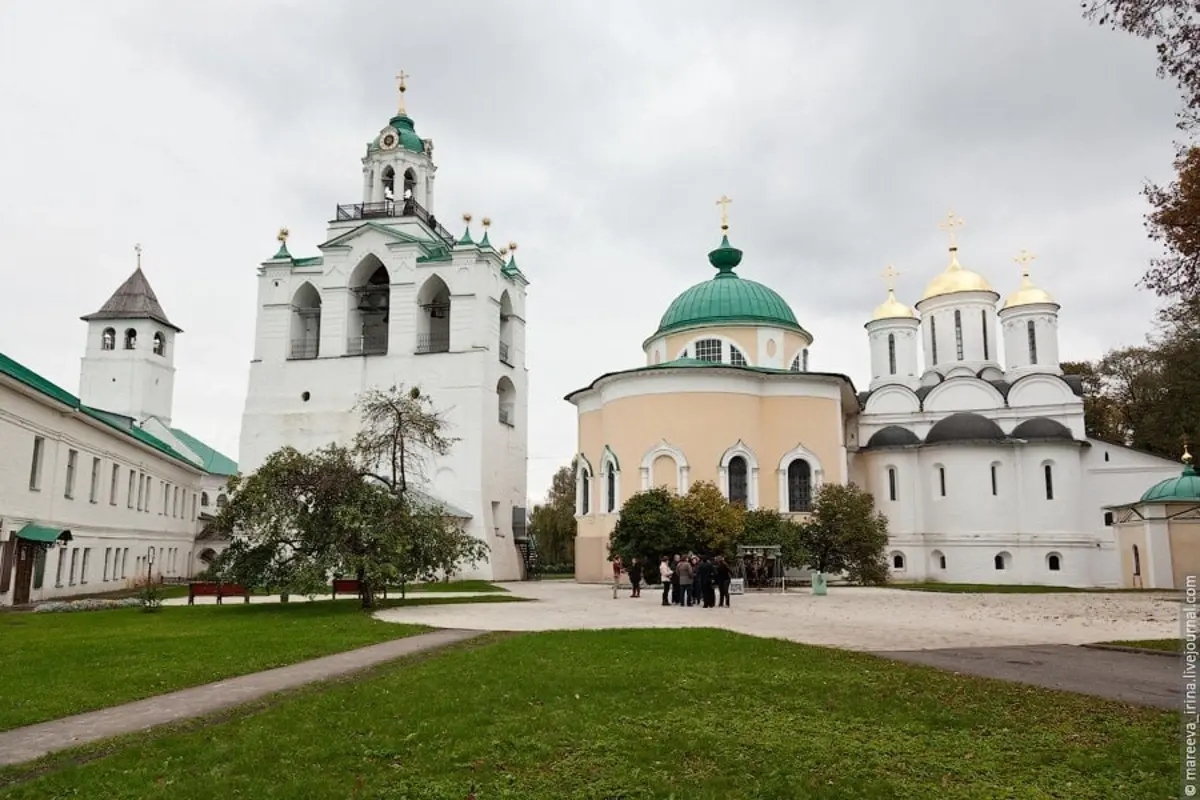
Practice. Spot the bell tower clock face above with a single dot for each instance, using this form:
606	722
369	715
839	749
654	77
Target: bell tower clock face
389	137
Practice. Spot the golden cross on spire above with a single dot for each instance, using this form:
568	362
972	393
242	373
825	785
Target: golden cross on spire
400	77
889	275
950	224
137	248
1023	258
724	204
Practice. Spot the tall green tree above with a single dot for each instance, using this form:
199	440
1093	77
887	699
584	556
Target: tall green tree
552	524
649	527
846	534
304	517
709	524
766	526
1100	418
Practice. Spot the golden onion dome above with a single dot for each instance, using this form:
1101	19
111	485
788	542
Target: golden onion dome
892	309
1027	294
956	278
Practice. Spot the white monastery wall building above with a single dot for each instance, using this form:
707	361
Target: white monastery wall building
100	490
394	298
969	436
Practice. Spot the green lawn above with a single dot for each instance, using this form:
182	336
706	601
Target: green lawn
999	588
55	665
642	714
455	586
1168	645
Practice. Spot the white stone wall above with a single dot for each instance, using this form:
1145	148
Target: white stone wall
136	383
100	526
905	334
1015	324
309	403
973	308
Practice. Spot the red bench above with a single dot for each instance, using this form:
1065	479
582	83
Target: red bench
348	586
217	590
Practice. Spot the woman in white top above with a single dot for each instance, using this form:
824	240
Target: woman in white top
664	572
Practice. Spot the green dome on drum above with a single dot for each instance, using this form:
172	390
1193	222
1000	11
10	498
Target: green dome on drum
409	140
727	299
1184	489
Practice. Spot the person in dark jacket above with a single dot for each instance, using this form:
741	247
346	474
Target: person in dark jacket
724	577
635	576
707	578
686	581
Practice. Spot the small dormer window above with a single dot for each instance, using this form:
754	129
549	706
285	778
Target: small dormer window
160	344
108	339
130	339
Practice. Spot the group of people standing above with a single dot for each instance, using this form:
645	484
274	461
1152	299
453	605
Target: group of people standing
691	581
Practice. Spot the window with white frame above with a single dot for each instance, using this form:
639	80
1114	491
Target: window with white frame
799	486
610	487
796	363
739	482
735	357
583	490
708	350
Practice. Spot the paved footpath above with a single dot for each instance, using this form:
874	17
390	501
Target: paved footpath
35	741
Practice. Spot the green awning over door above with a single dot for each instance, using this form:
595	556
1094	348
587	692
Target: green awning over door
43	534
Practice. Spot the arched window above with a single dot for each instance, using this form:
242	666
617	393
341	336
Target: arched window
506	328
891	354
204	499
796	363
368	314
739	484
933	340
1048	471
799	486
1031	333
958	339
610	488
160	344
1108	518
584	489
130	339
893	489
804	360
735	357
388	180
1137	561
507	394
1054	562
410	185
939	559
708	350
983	316
1002	561
306	322
433	324
897	560
221	501
108	339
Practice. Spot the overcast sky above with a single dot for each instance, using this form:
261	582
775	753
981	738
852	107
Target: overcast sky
599	136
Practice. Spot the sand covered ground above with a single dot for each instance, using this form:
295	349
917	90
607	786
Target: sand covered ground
849	617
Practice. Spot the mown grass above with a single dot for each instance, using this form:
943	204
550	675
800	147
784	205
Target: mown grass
649	714
1001	588
1167	645
55	665
453	586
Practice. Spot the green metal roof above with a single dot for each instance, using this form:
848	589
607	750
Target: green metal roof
727	299
28	377
1184	489
215	463
409	139
43	534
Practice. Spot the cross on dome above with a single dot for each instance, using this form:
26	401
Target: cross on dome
724	204
951	224
403	88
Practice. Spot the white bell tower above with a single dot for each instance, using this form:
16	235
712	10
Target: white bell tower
129	364
398	166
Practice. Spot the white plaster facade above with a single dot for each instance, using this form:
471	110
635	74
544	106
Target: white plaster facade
394	299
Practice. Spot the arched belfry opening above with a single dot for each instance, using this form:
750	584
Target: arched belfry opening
507	394
410	185
370	298
306	322
433	321
506	326
388	180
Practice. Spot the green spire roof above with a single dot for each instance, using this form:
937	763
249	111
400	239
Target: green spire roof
466	237
1184	489
485	242
727	299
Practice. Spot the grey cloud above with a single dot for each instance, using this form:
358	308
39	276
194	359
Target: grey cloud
599	136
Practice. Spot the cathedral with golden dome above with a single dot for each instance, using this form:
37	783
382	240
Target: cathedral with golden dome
969	436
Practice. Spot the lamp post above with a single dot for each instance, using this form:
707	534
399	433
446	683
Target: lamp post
149	566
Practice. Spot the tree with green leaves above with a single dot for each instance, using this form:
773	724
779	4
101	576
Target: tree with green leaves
649	527
304	517
552	524
709	524
846	534
766	526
